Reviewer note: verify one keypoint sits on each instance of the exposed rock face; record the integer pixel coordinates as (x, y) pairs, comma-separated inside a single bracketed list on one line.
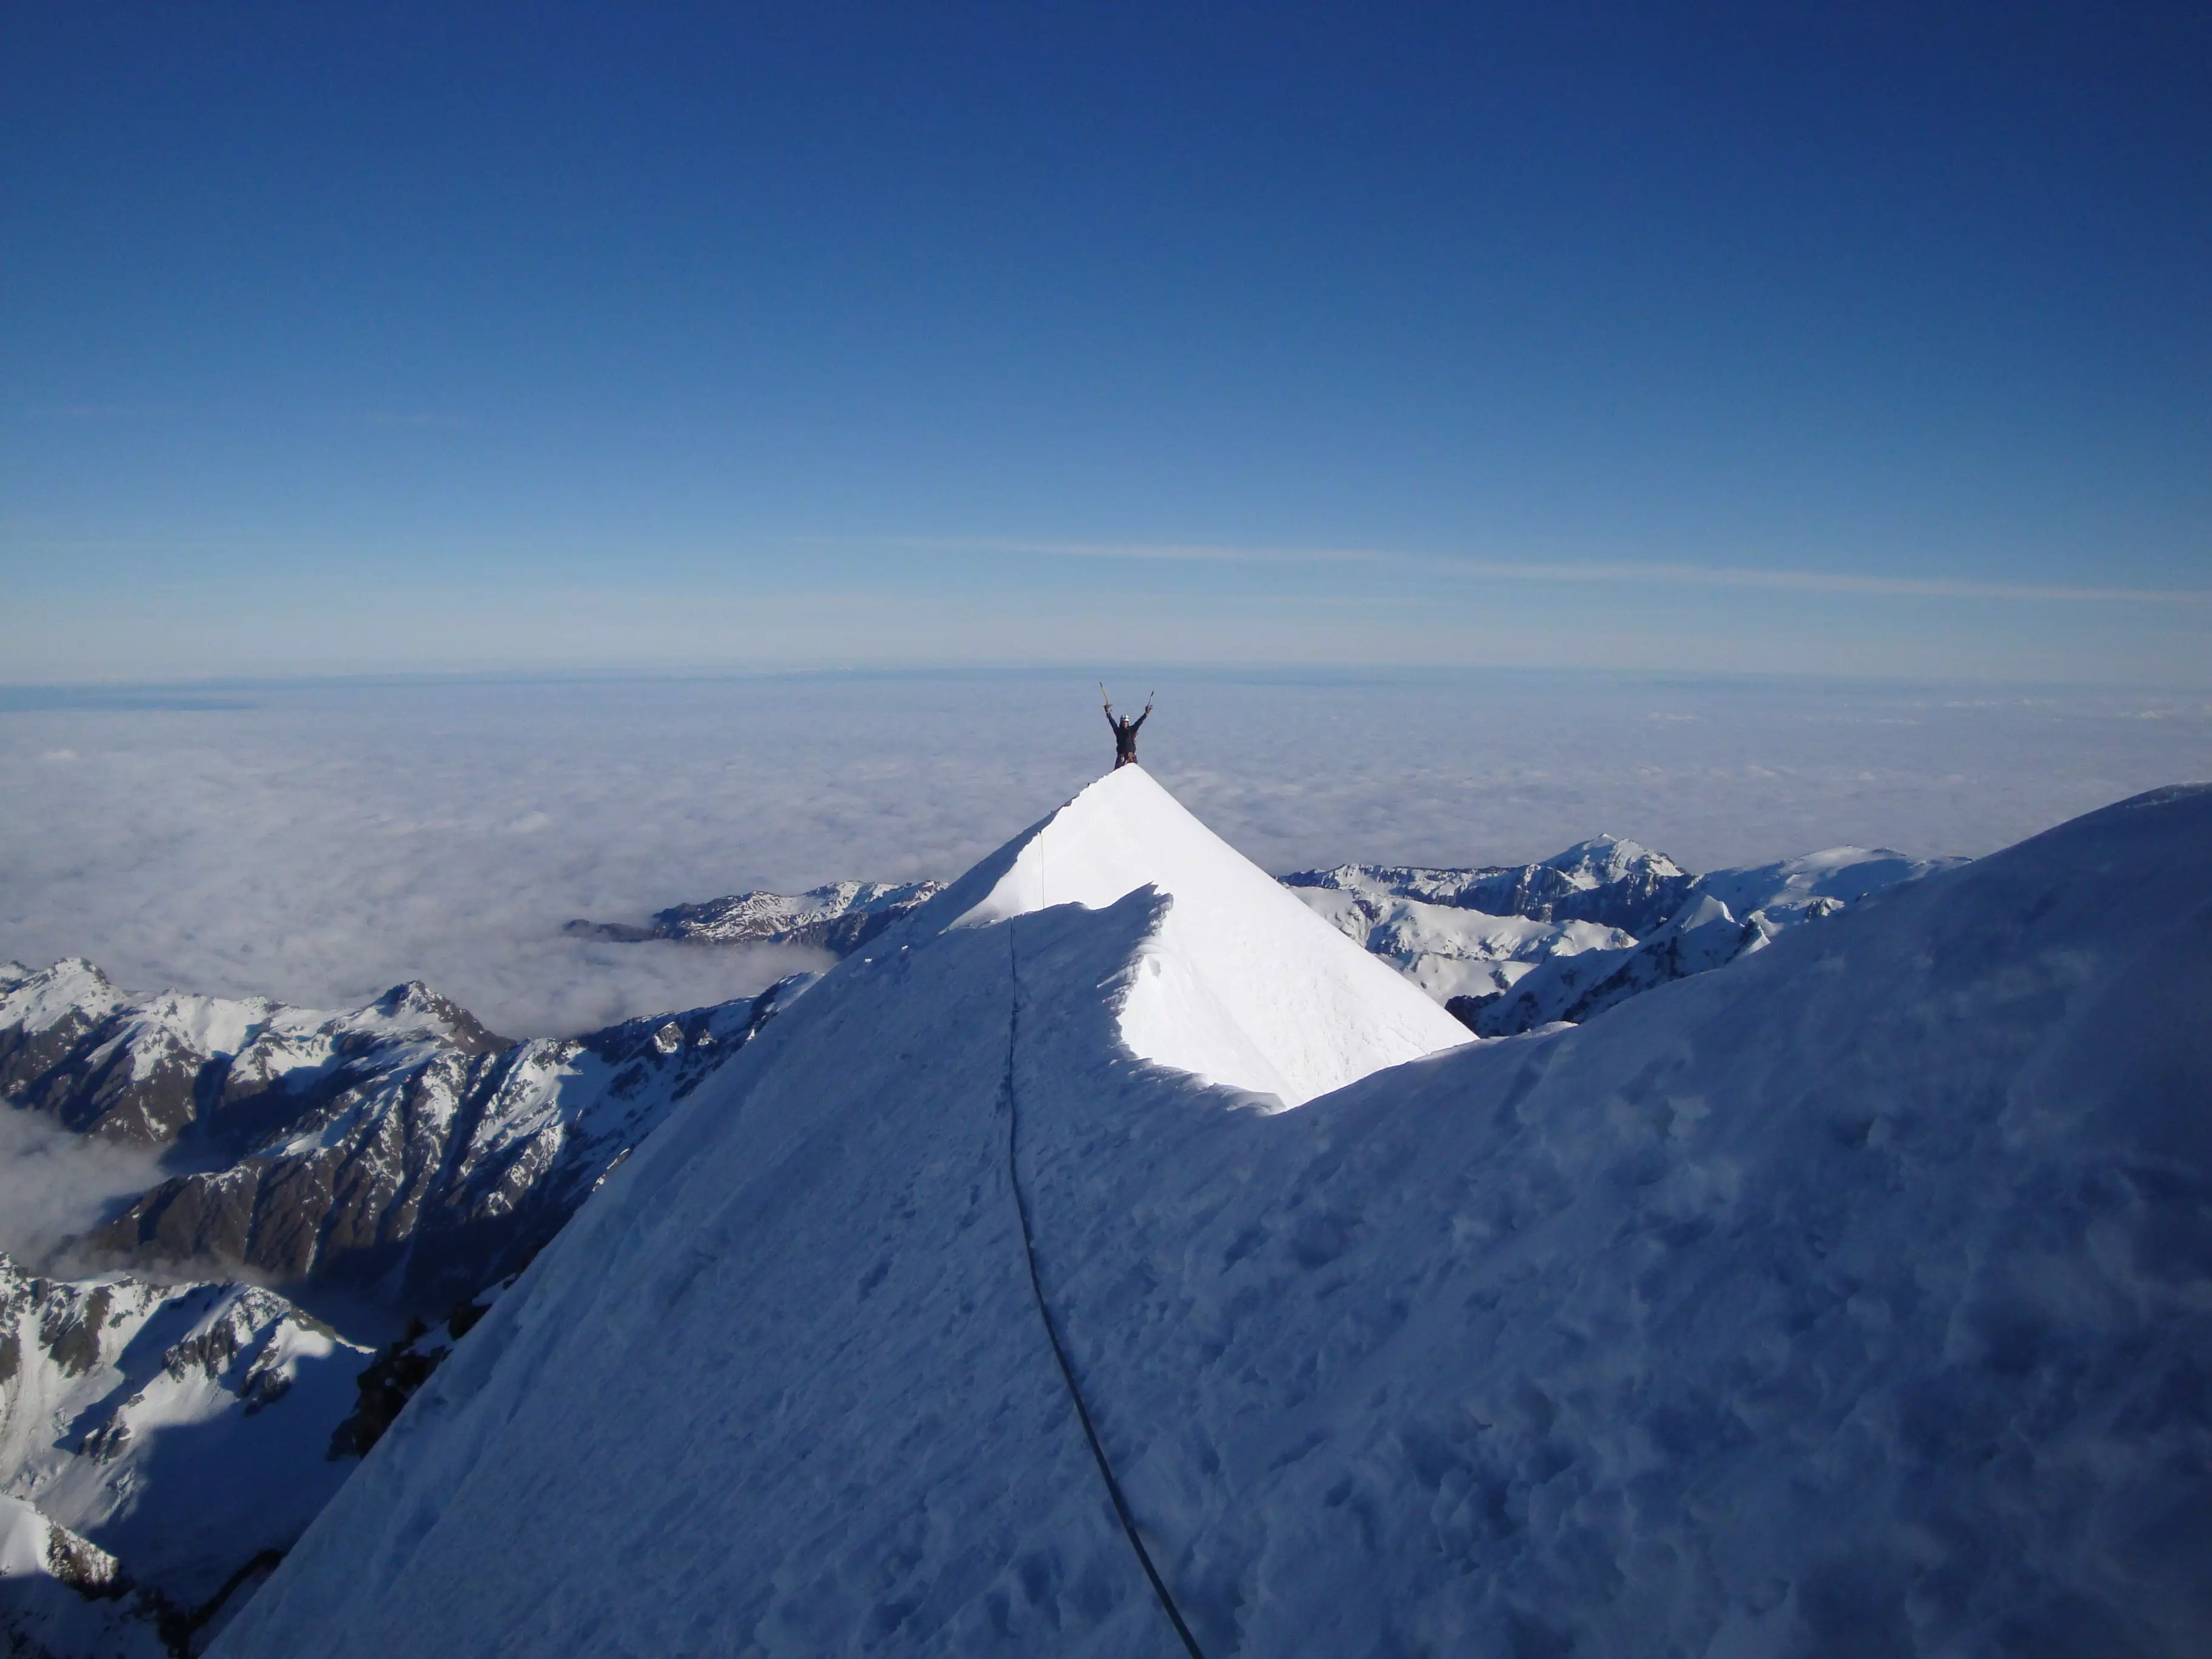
[(390, 1379), (60, 1594), (399, 1147), (839, 918)]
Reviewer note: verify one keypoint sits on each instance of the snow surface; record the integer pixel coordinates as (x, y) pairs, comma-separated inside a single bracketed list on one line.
[(1855, 1299), (1241, 984)]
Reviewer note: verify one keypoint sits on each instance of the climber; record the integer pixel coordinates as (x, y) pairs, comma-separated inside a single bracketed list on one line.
[(1124, 731)]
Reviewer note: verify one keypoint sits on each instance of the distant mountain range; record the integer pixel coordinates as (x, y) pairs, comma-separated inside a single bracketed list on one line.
[(1510, 949), (839, 918)]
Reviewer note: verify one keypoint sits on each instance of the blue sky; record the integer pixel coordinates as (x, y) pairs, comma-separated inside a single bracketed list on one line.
[(1845, 338)]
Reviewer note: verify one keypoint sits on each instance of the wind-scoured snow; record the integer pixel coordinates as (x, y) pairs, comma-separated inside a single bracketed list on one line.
[(1855, 1299)]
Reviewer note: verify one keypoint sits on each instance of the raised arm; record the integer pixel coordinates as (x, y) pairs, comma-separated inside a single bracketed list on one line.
[(1146, 715)]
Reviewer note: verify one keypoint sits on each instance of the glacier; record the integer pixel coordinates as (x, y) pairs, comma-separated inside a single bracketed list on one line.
[(1857, 1298)]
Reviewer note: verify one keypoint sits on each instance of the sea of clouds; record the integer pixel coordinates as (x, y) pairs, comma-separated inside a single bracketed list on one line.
[(319, 842)]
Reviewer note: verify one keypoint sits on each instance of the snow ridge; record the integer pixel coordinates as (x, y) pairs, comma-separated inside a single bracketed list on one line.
[(1120, 1501)]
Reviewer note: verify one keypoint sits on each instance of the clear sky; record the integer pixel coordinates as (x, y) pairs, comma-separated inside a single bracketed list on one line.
[(1843, 338)]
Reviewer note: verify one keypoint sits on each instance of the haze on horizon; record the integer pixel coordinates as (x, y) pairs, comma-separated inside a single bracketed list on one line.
[(1718, 337)]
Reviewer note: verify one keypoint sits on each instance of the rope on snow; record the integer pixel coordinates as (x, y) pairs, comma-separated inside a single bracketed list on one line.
[(1052, 1329)]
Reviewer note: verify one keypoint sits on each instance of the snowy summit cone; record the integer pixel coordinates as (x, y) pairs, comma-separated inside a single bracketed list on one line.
[(1238, 983), (800, 1313)]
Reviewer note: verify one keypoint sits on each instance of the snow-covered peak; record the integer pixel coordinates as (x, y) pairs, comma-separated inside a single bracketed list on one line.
[(1603, 860), (1239, 982), (36, 1000), (1604, 880)]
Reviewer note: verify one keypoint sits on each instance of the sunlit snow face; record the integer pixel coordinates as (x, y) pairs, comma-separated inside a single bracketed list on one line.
[(321, 843)]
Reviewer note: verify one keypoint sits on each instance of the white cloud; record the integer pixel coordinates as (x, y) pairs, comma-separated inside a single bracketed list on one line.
[(56, 1186), (320, 842), (1643, 573)]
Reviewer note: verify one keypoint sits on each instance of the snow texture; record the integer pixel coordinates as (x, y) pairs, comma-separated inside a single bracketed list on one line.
[(1241, 984), (1854, 1298)]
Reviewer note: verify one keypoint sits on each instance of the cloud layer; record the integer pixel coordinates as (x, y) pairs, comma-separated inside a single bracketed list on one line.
[(320, 843), (56, 1186)]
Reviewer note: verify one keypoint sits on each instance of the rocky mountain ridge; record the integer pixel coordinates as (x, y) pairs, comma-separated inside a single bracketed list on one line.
[(397, 1147), (161, 1440)]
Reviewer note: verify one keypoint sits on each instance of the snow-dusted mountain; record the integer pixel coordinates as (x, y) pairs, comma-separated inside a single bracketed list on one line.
[(1815, 885), (1509, 949), (398, 1146), (1449, 950), (1703, 935), (1604, 880), (1851, 1300), (839, 918), (180, 1433), (1726, 915)]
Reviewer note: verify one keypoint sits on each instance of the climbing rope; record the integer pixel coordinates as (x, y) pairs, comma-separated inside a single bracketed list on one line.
[(1052, 1329)]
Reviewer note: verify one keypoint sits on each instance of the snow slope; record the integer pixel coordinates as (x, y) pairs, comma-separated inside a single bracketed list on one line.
[(1857, 1299), (1241, 984)]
